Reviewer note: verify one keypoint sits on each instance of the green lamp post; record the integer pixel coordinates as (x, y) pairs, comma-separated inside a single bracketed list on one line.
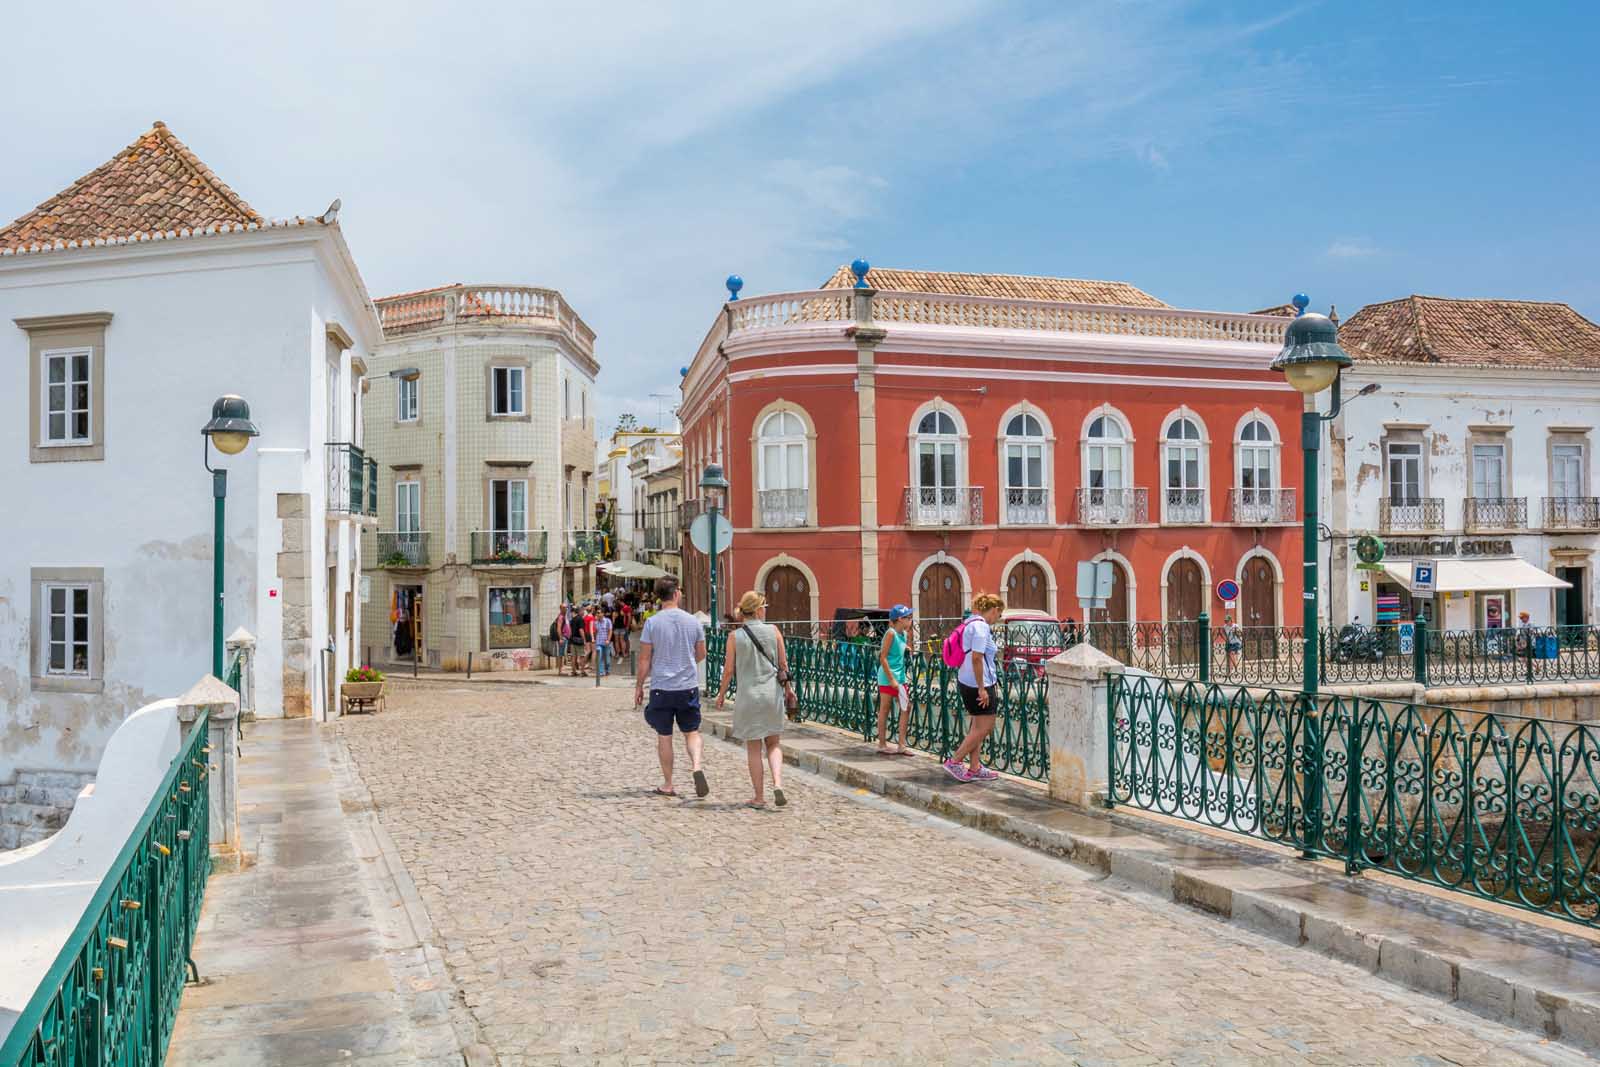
[(230, 430), (713, 483)]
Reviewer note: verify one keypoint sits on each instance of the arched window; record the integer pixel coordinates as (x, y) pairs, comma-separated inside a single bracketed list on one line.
[(1106, 497), (782, 474), (938, 498), (1184, 499), (1257, 498), (1026, 500)]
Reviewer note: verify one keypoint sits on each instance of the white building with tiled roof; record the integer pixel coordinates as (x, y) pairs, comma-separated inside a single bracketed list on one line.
[(132, 300), (1478, 452)]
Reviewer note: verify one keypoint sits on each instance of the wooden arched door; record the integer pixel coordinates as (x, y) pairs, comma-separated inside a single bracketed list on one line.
[(939, 596), (1111, 632), (1186, 598), (788, 596), (1026, 587), (1258, 608)]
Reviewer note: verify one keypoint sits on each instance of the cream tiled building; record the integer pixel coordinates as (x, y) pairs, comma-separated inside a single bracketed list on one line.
[(480, 419)]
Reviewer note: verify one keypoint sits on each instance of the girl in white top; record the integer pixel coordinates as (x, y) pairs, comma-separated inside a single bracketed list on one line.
[(976, 682)]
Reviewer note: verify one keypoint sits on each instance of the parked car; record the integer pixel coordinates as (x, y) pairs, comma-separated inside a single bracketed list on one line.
[(1027, 637)]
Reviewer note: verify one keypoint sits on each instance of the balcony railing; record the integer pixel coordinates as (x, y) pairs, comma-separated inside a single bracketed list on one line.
[(783, 507), (1262, 507), (586, 546), (402, 548), (1026, 507), (1572, 513), (1495, 513), (944, 506), (1417, 513), (352, 480), (482, 306), (512, 548), (1186, 507), (1113, 507)]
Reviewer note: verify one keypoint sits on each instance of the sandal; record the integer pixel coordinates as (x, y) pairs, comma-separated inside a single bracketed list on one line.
[(665, 792), (778, 798), (701, 787)]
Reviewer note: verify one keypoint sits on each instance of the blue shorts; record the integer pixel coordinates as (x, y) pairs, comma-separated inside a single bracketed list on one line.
[(669, 705)]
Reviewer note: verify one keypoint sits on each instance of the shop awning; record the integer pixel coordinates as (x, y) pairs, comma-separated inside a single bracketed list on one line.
[(632, 568), (1475, 575)]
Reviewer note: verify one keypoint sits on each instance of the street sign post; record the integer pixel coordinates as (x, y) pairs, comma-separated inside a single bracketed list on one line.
[(1095, 582), (700, 532), (1422, 578)]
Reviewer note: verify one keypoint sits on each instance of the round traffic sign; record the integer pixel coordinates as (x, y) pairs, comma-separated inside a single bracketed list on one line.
[(1228, 590), (700, 532)]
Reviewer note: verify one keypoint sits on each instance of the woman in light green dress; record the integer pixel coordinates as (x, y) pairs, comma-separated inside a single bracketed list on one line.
[(758, 713)]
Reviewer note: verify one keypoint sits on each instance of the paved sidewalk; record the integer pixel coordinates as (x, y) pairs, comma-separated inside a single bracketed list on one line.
[(586, 921), (309, 955)]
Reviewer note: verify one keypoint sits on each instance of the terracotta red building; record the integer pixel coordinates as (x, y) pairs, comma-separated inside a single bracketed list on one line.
[(937, 435)]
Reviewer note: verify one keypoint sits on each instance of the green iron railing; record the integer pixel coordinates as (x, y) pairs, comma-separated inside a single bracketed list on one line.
[(111, 996), (1500, 807), (235, 668), (837, 683)]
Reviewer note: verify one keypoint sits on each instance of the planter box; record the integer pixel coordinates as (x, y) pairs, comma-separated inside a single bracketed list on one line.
[(361, 696)]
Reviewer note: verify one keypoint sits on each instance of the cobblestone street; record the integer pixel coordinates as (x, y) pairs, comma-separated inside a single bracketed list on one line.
[(584, 920)]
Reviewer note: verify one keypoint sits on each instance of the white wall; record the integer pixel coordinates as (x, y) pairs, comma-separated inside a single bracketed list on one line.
[(192, 319)]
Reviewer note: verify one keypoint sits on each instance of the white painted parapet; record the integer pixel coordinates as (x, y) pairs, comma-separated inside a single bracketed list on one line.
[(1076, 702), (212, 695)]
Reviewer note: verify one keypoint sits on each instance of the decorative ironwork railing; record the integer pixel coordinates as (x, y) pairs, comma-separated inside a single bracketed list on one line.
[(1026, 507), (1495, 513), (111, 996), (347, 470), (402, 548), (1417, 513), (1183, 506), (1572, 512), (1112, 507), (1262, 507), (837, 683), (1500, 807), (585, 546), (944, 506), (782, 508), (510, 547)]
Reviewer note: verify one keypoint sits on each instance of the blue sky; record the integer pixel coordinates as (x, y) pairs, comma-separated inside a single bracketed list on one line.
[(1219, 155)]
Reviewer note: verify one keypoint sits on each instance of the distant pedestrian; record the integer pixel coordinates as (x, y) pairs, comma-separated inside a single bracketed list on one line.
[(760, 664), (560, 637), (602, 643), (892, 690), (1232, 639), (588, 616), (979, 687), (671, 649)]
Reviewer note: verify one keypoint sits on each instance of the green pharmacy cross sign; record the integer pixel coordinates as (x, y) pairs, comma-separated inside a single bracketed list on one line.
[(1369, 550)]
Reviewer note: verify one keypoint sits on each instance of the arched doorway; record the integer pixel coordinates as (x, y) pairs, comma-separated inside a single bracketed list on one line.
[(1026, 587), (1110, 632), (938, 598), (788, 597), (1186, 597), (1258, 608)]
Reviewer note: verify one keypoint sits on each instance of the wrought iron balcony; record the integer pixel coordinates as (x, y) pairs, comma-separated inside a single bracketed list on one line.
[(1026, 507), (402, 548), (946, 506), (1415, 513), (1184, 507), (1113, 507), (1572, 513), (511, 548), (352, 480), (782, 508), (586, 546), (1495, 513), (1262, 507)]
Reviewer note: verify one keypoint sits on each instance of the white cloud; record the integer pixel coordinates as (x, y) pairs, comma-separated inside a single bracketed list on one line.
[(1351, 248)]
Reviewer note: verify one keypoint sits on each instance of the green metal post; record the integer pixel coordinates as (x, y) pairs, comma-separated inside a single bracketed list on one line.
[(1203, 630), (1310, 444), (219, 493), (711, 536), (1419, 652)]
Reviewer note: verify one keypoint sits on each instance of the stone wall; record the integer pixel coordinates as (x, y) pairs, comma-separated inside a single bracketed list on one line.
[(294, 574), (36, 804)]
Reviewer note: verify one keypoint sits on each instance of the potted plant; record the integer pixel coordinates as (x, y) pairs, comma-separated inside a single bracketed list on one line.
[(362, 689)]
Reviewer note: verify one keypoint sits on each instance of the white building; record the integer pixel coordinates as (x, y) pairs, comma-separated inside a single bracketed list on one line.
[(133, 299), (648, 456), (1477, 452), (624, 496)]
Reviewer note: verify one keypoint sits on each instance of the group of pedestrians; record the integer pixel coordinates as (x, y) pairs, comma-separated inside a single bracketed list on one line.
[(591, 636), (672, 645)]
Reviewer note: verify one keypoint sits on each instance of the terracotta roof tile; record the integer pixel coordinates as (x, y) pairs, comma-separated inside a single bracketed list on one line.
[(1287, 311), (1010, 286), (1471, 333), (154, 186)]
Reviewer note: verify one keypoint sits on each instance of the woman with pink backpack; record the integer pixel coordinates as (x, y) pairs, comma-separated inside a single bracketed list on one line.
[(974, 646)]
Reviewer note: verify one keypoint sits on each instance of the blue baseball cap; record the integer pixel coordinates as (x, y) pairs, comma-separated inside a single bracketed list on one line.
[(898, 612)]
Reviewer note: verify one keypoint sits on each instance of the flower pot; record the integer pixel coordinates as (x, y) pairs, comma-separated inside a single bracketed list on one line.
[(361, 696)]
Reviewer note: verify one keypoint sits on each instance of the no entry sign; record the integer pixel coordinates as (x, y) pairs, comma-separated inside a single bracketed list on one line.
[(1227, 590)]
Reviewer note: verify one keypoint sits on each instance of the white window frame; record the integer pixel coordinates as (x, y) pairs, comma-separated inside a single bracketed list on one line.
[(1026, 514), (1559, 488), (519, 394), (403, 488), (1503, 490), (408, 399), (1201, 444), (1120, 444), (67, 356), (1414, 450), (72, 638)]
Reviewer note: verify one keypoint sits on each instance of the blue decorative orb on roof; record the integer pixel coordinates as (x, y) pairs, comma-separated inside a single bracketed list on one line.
[(1300, 301), (859, 268), (734, 283), (683, 372)]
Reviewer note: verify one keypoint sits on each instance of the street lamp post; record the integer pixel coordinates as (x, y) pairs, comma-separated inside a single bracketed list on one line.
[(713, 483), (230, 430), (1312, 361)]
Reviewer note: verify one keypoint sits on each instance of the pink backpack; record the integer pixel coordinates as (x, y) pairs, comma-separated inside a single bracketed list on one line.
[(952, 652)]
